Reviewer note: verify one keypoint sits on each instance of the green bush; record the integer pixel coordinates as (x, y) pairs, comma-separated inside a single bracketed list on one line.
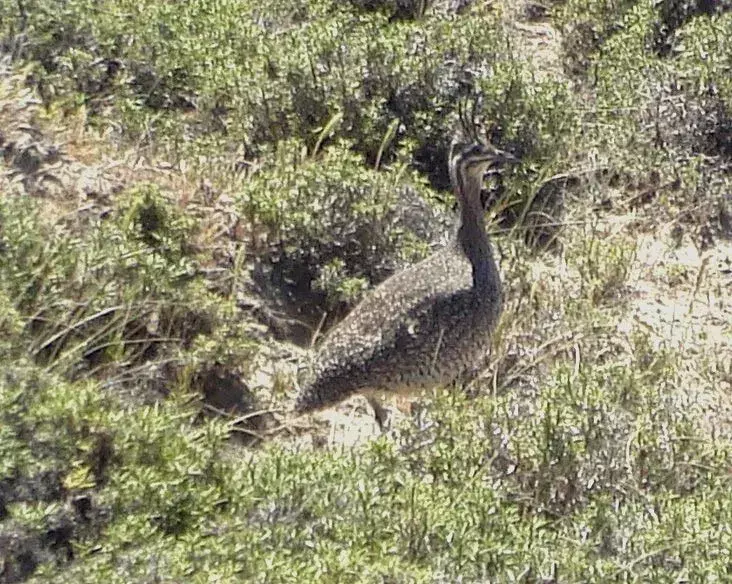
[(330, 226), (396, 9), (659, 122), (602, 470), (673, 14), (285, 73), (585, 26), (120, 289)]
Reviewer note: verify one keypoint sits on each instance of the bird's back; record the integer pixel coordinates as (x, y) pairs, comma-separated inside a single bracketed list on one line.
[(424, 326)]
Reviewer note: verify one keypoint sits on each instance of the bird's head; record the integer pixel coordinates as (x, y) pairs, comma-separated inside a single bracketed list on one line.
[(469, 162)]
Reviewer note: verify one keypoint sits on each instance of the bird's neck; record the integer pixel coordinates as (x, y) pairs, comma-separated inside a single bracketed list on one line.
[(474, 242)]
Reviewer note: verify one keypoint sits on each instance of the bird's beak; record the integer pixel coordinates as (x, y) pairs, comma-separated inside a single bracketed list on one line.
[(497, 156), (505, 157)]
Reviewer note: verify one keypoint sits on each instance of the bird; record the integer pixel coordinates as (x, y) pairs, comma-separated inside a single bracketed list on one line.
[(426, 326)]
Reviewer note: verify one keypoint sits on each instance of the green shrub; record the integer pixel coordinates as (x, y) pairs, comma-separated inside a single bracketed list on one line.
[(396, 9), (284, 74), (119, 290), (659, 122), (585, 26), (476, 493), (673, 14), (329, 224)]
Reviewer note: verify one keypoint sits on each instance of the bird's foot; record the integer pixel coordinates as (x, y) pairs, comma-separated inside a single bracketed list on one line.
[(380, 413)]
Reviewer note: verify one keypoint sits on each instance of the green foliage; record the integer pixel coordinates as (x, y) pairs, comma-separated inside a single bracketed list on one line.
[(312, 72), (119, 290), (661, 106), (707, 37), (534, 120), (599, 469), (11, 327), (144, 468), (285, 72), (328, 221), (396, 9), (586, 25), (632, 83), (605, 475), (673, 14), (152, 220)]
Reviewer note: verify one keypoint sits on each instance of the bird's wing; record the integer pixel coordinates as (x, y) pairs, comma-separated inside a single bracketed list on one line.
[(385, 309)]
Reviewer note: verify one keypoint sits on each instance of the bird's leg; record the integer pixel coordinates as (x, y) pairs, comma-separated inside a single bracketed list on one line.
[(380, 413)]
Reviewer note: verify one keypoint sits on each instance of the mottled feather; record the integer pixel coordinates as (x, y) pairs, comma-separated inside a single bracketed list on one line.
[(427, 325)]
